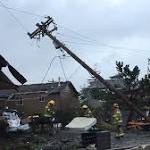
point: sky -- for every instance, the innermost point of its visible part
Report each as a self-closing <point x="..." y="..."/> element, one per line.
<point x="100" y="32"/>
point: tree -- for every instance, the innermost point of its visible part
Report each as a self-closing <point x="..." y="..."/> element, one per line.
<point x="131" y="81"/>
<point x="144" y="85"/>
<point x="130" y="76"/>
<point x="94" y="92"/>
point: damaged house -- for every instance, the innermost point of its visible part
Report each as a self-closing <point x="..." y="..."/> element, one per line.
<point x="6" y="85"/>
<point x="32" y="99"/>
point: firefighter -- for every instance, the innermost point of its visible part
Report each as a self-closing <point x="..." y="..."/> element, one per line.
<point x="117" y="120"/>
<point x="49" y="109"/>
<point x="47" y="117"/>
<point x="85" y="111"/>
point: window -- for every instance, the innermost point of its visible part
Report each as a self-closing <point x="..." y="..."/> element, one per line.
<point x="42" y="99"/>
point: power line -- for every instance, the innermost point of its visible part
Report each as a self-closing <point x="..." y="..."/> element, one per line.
<point x="80" y="36"/>
<point x="23" y="11"/>
<point x="77" y="33"/>
<point x="74" y="37"/>
<point x="14" y="17"/>
<point x="91" y="40"/>
<point x="61" y="64"/>
<point x="51" y="62"/>
<point x="74" y="72"/>
<point x="79" y="43"/>
<point x="137" y="51"/>
<point x="49" y="68"/>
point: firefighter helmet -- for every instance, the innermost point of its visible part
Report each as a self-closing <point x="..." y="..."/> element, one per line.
<point x="84" y="106"/>
<point x="115" y="105"/>
<point x="51" y="102"/>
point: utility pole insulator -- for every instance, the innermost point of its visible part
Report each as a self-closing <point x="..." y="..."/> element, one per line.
<point x="57" y="46"/>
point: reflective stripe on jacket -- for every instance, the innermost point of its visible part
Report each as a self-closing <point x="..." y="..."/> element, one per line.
<point x="117" y="118"/>
<point x="49" y="113"/>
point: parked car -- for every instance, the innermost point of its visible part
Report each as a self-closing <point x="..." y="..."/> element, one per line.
<point x="14" y="121"/>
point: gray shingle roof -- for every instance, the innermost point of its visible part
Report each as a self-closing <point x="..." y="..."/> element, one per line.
<point x="50" y="88"/>
<point x="41" y="87"/>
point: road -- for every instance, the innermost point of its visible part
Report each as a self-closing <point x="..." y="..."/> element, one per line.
<point x="131" y="139"/>
<point x="70" y="141"/>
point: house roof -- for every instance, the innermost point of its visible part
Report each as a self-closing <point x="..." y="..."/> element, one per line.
<point x="52" y="86"/>
<point x="46" y="88"/>
<point x="39" y="87"/>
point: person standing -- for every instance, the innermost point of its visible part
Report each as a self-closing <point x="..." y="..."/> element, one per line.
<point x="49" y="117"/>
<point x="117" y="120"/>
<point x="49" y="109"/>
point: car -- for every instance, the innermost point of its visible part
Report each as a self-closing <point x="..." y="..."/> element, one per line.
<point x="14" y="121"/>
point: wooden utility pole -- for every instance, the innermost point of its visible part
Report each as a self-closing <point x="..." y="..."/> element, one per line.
<point x="42" y="30"/>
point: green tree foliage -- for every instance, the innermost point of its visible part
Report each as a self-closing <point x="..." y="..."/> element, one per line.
<point x="130" y="76"/>
<point x="102" y="113"/>
<point x="100" y="94"/>
<point x="145" y="85"/>
<point x="131" y="81"/>
<point x="138" y="90"/>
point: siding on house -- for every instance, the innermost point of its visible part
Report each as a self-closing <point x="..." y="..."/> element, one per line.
<point x="4" y="94"/>
<point x="69" y="97"/>
<point x="32" y="99"/>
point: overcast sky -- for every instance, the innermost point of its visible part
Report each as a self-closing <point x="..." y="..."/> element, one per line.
<point x="98" y="31"/>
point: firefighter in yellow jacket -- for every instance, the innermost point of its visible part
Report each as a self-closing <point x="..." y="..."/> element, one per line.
<point x="49" y="109"/>
<point x="117" y="120"/>
<point x="85" y="111"/>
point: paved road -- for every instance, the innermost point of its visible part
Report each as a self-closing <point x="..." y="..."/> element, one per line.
<point x="131" y="139"/>
<point x="73" y="139"/>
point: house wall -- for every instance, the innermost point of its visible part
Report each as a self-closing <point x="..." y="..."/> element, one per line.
<point x="70" y="101"/>
<point x="66" y="101"/>
<point x="31" y="104"/>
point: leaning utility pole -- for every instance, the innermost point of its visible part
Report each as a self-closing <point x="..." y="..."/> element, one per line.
<point x="42" y="30"/>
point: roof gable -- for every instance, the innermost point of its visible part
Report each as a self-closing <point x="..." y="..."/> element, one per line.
<point x="41" y="87"/>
